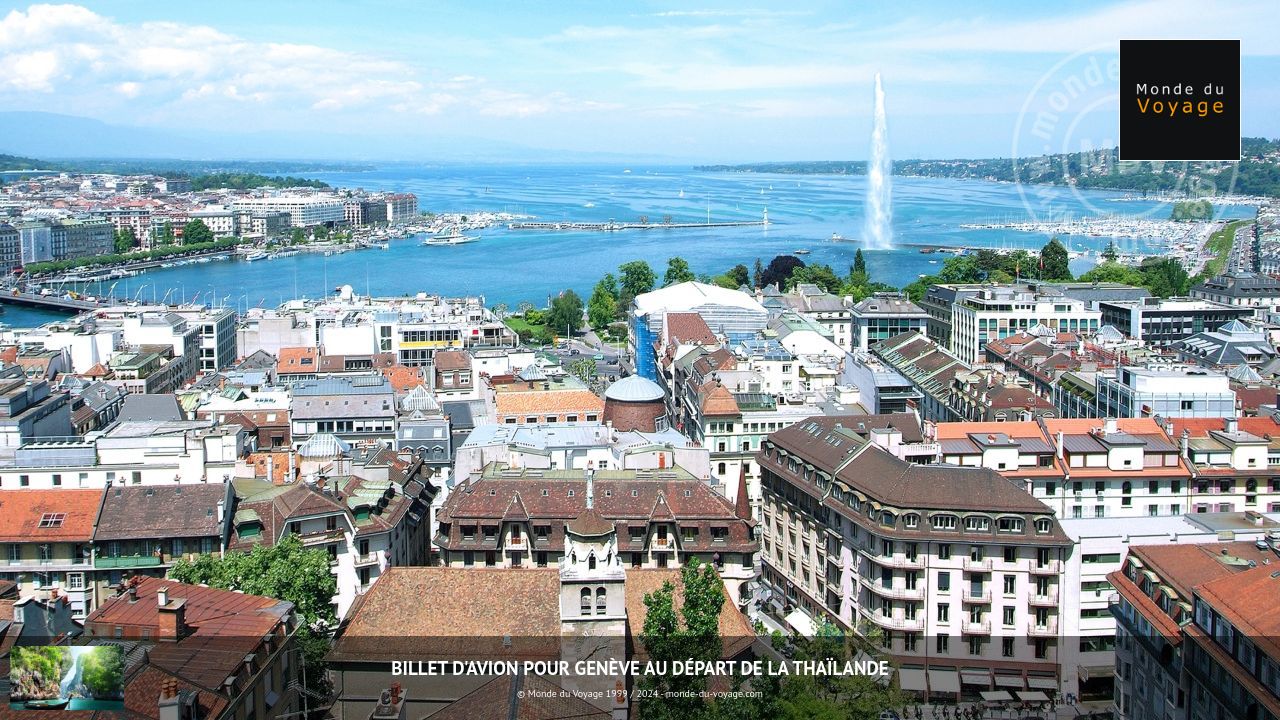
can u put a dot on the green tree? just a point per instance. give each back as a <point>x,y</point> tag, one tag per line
<point>196,232</point>
<point>859,262</point>
<point>297,236</point>
<point>286,571</point>
<point>739,275</point>
<point>1054,261</point>
<point>125,241</point>
<point>1111,254</point>
<point>1165,277</point>
<point>565,313</point>
<point>584,368</point>
<point>667,639</point>
<point>757,274</point>
<point>637,278</point>
<point>602,308</point>
<point>821,275</point>
<point>805,695</point>
<point>779,271</point>
<point>677,272</point>
<point>102,671</point>
<point>166,235</point>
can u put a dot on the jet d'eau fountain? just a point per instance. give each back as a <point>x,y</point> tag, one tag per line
<point>877,232</point>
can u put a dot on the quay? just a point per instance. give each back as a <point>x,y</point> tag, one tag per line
<point>52,302</point>
<point>612,226</point>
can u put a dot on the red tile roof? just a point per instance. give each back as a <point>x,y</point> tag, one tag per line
<point>402,378</point>
<point>452,360</point>
<point>684,328</point>
<point>1200,427</point>
<point>297,360</point>
<point>59,515</point>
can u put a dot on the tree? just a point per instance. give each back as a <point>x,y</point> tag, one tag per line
<point>859,262</point>
<point>1165,277</point>
<point>602,308</point>
<point>166,235</point>
<point>666,639</point>
<point>1113,272</point>
<point>806,695</point>
<point>779,271</point>
<point>821,275</point>
<point>739,274</point>
<point>196,232</point>
<point>286,571</point>
<point>677,272</point>
<point>102,671</point>
<point>297,236</point>
<point>757,274</point>
<point>125,241</point>
<point>565,313</point>
<point>637,278</point>
<point>320,232</point>
<point>1054,261</point>
<point>501,310</point>
<point>1110,254</point>
<point>584,368</point>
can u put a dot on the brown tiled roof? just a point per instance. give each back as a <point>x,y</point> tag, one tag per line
<point>160,512</point>
<point>1200,427</point>
<point>67,515</point>
<point>98,371</point>
<point>549,402</point>
<point>1183,566</point>
<point>452,360</point>
<point>687,328</point>
<point>297,360</point>
<point>520,697</point>
<point>717,400</point>
<point>736,633</point>
<point>1248,600</point>
<point>589,523</point>
<point>142,691</point>
<point>402,378</point>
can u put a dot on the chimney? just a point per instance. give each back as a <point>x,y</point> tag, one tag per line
<point>1232,424</point>
<point>222,510</point>
<point>173,620</point>
<point>1110,426</point>
<point>1185,443</point>
<point>1058,450</point>
<point>591,486</point>
<point>162,595</point>
<point>133,595</point>
<point>170,704</point>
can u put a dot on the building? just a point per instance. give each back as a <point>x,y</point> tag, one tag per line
<point>1229,346</point>
<point>635,403</point>
<point>30,410</point>
<point>10,248</point>
<point>1164,321</point>
<point>143,530</point>
<point>1235,463</point>
<point>517,517</point>
<point>451,374</point>
<point>209,654</point>
<point>304,210</point>
<point>365,523</point>
<point>830,311</point>
<point>264,223</point>
<point>1195,632</point>
<point>531,397</point>
<point>222,222</point>
<point>65,239</point>
<point>133,216</point>
<point>996,312</point>
<point>1260,293</point>
<point>511,614</point>
<point>958,568</point>
<point>880,388</point>
<point>882,316</point>
<point>352,408</point>
<point>929,367</point>
<point>48,539</point>
<point>401,207</point>
<point>724,311</point>
<point>1164,390</point>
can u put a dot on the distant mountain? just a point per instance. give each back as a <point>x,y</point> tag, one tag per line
<point>54,136</point>
<point>1257,173</point>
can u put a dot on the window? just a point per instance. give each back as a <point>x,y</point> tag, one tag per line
<point>1011,525</point>
<point>51,520</point>
<point>1006,647</point>
<point>1008,617</point>
<point>585,602</point>
<point>57,480</point>
<point>944,551</point>
<point>1010,554</point>
<point>944,613</point>
<point>24,481</point>
<point>490,558</point>
<point>944,581</point>
<point>1010,584</point>
<point>942,644</point>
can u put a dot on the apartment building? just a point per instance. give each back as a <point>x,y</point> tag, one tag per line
<point>304,210</point>
<point>724,312</point>
<point>1195,629</point>
<point>958,568</point>
<point>30,410</point>
<point>930,368</point>
<point>813,303</point>
<point>1235,463</point>
<point>352,408</point>
<point>1163,321</point>
<point>996,312</point>
<point>517,517</point>
<point>10,248</point>
<point>882,316</point>
<point>1255,291</point>
<point>401,207</point>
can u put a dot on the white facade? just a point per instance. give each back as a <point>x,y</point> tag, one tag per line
<point>998,312</point>
<point>1167,391</point>
<point>304,210</point>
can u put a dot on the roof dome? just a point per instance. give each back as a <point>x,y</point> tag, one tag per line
<point>634,389</point>
<point>323,445</point>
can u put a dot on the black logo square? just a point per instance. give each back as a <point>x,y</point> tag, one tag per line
<point>1179,99</point>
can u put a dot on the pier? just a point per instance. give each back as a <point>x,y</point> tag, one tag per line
<point>612,226</point>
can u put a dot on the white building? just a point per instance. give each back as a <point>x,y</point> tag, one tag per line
<point>997,312</point>
<point>304,210</point>
<point>1164,390</point>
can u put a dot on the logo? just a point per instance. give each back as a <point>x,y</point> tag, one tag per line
<point>1180,100</point>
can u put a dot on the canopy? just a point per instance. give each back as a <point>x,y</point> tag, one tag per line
<point>911,678</point>
<point>1009,681</point>
<point>1044,683</point>
<point>996,696</point>
<point>944,681</point>
<point>1033,696</point>
<point>975,677</point>
<point>801,623</point>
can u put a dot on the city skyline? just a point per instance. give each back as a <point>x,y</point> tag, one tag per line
<point>653,81</point>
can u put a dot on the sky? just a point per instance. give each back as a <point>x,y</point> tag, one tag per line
<point>699,81</point>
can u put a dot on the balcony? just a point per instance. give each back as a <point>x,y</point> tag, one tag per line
<point>897,623</point>
<point>972,565</point>
<point>128,561</point>
<point>977,596</point>
<point>663,544</point>
<point>894,561</point>
<point>324,537</point>
<point>517,543</point>
<point>976,628</point>
<point>1043,600</point>
<point>896,593</point>
<point>50,564</point>
<point>1048,628</point>
<point>1052,567</point>
<point>368,559</point>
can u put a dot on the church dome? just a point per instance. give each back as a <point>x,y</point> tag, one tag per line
<point>634,389</point>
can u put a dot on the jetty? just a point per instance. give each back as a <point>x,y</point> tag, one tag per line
<point>53,302</point>
<point>614,226</point>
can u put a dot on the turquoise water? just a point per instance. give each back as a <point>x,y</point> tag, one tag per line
<point>512,265</point>
<point>81,704</point>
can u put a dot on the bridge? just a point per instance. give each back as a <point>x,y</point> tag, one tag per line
<point>51,302</point>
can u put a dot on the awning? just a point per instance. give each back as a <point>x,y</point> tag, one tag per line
<point>801,623</point>
<point>1033,696</point>
<point>1044,683</point>
<point>911,678</point>
<point>1095,671</point>
<point>975,677</point>
<point>944,681</point>
<point>1009,681</point>
<point>996,696</point>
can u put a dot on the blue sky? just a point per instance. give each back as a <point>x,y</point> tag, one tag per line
<point>688,80</point>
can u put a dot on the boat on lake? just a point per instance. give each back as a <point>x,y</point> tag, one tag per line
<point>802,252</point>
<point>255,255</point>
<point>454,237</point>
